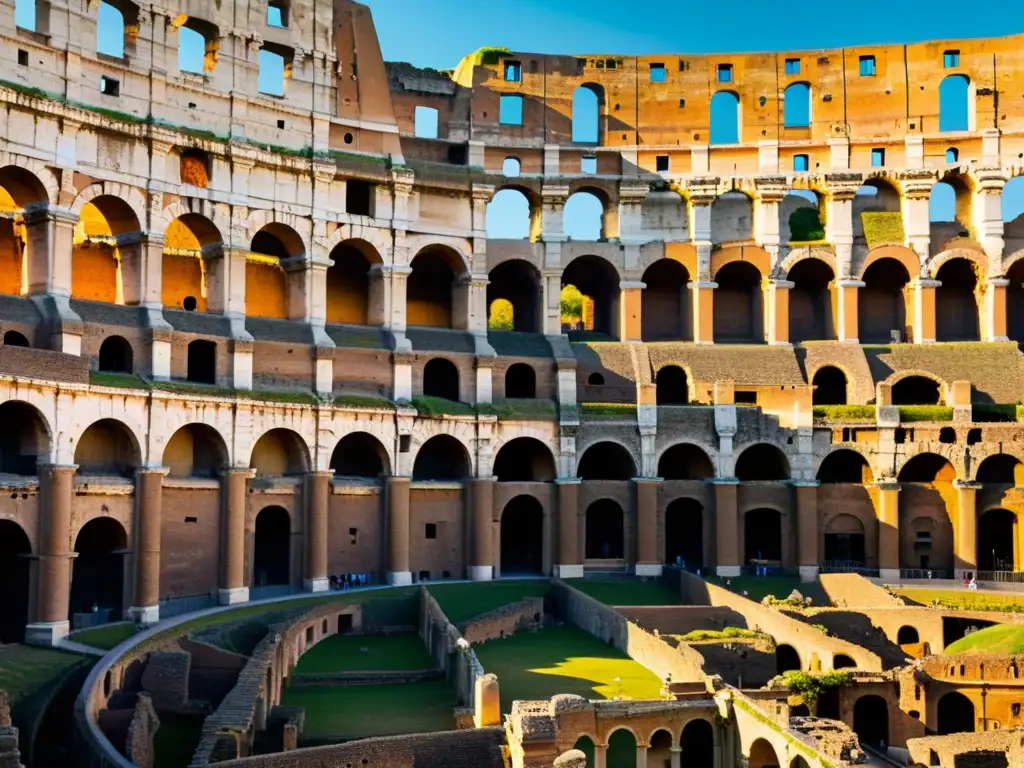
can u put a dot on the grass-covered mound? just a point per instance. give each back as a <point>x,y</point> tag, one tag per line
<point>364,653</point>
<point>462,602</point>
<point>627,591</point>
<point>538,665</point>
<point>1002,638</point>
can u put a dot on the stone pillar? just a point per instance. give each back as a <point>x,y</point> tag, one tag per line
<point>778,312</point>
<point>399,573</point>
<point>569,565</point>
<point>630,310</point>
<point>232,581</point>
<point>675,755</point>
<point>648,561</point>
<point>917,187</point>
<point>727,526</point>
<point>481,568</point>
<point>988,209</point>
<point>56,492</point>
<point>924,310</point>
<point>553,199</point>
<point>966,538</point>
<point>149,486</point>
<point>600,756</point>
<point>807,528</point>
<point>767,234</point>
<point>487,711</point>
<point>703,311</point>
<point>225,280</point>
<point>888,513</point>
<point>842,188</point>
<point>994,317</point>
<point>847,330</point>
<point>317,502</point>
<point>641,755</point>
<point>50,234</point>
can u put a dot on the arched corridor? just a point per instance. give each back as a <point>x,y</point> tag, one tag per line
<point>685,461</point>
<point>810,302</point>
<point>15,563</point>
<point>698,744</point>
<point>762,463</point>
<point>192,246</point>
<point>271,550</point>
<point>108,448</point>
<point>431,285</point>
<point>738,305</point>
<point>829,385</point>
<point>762,755</point>
<point>684,534</point>
<point>871,720</point>
<point>360,455</point>
<point>442,457</point>
<point>279,453</point>
<point>441,379</point>
<point>622,750</point>
<point>666,314</point>
<point>762,536</point>
<point>98,572</point>
<point>606,461</point>
<point>926,487</point>
<point>672,387</point>
<point>598,282</point>
<point>522,537</point>
<point>518,283</point>
<point>524,460</point>
<point>916,390</point>
<point>883,301</point>
<point>997,541</point>
<point>956,302</point>
<point>845,541</point>
<point>955,714</point>
<point>24,440</point>
<point>352,286</point>
<point>195,450</point>
<point>604,531</point>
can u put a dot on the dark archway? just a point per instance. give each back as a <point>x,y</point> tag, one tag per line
<point>829,386</point>
<point>349,279</point>
<point>202,362</point>
<point>762,755</point>
<point>1001,469</point>
<point>698,744</point>
<point>107,447</point>
<point>660,750</point>
<point>845,466</point>
<point>520,381</point>
<point>685,461</point>
<point>666,313</point>
<point>684,534</point>
<point>882,302</point>
<point>195,450</point>
<point>524,460</point>
<point>622,750</point>
<point>927,468</point>
<point>604,531</point>
<point>98,572</point>
<point>997,533</point>
<point>442,457</point>
<point>24,439</point>
<point>441,379</point>
<point>916,390</point>
<point>15,554</point>
<point>430,285</point>
<point>586,745</point>
<point>271,550</point>
<point>786,659</point>
<point>955,714</point>
<point>116,356</point>
<point>280,452</point>
<point>762,536</point>
<point>871,720</point>
<point>842,661</point>
<point>606,461</point>
<point>15,339</point>
<point>738,305</point>
<point>907,635</point>
<point>361,455</point>
<point>522,537</point>
<point>810,301</point>
<point>956,302</point>
<point>1015,295</point>
<point>762,463</point>
<point>598,281</point>
<point>517,282</point>
<point>844,541</point>
<point>672,387</point>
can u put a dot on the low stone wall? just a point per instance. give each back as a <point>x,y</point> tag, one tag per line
<point>138,743</point>
<point>682,619</point>
<point>851,590</point>
<point>504,621</point>
<point>367,678</point>
<point>991,749</point>
<point>449,650</point>
<point>975,667</point>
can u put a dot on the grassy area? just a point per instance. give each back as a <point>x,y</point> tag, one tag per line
<point>963,600</point>
<point>1002,638</point>
<point>25,669</point>
<point>538,665</point>
<point>105,637</point>
<point>627,591</point>
<point>462,602</point>
<point>728,633</point>
<point>176,740</point>
<point>338,712</point>
<point>757,587</point>
<point>362,653</point>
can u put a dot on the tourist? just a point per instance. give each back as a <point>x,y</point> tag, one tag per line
<point>973,586</point>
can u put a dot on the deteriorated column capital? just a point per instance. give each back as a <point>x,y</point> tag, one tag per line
<point>989,181</point>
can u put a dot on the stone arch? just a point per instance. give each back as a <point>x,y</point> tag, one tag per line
<point>685,461</point>
<point>108,447</point>
<point>907,635</point>
<point>732,220</point>
<point>871,720</point>
<point>884,300</point>
<point>116,356</point>
<point>684,533</point>
<point>522,536</point>
<point>800,255</point>
<point>958,301</point>
<point>437,271</point>
<point>607,460</point>
<point>997,537</point>
<point>753,255</point>
<point>279,452</point>
<point>188,236</point>
<point>926,467</point>
<point>442,457</point>
<point>844,539</point>
<point>622,743</point>
<point>811,301</point>
<point>666,307</point>
<point>353,287</point>
<point>25,181</point>
<point>830,384</point>
<point>102,249</point>
<point>362,455</point>
<point>513,213</point>
<point>911,261</point>
<point>25,440</point>
<point>672,385</point>
<point>196,208</point>
<point>697,742</point>
<point>524,460</point>
<point>291,230</point>
<point>738,307</point>
<point>15,579</point>
<point>132,197</point>
<point>659,750</point>
<point>955,714</point>
<point>845,465</point>
<point>520,382</point>
<point>98,572</point>
<point>787,658</point>
<point>195,450</point>
<point>979,260</point>
<point>598,281</point>
<point>518,282</point>
<point>762,462</point>
<point>441,379</point>
<point>761,754</point>
<point>604,530</point>
<point>1001,469</point>
<point>380,240</point>
<point>914,387</point>
<point>273,245</point>
<point>587,129</point>
<point>271,547</point>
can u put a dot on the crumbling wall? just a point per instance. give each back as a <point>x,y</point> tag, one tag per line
<point>449,649</point>
<point>503,621</point>
<point>991,749</point>
<point>10,757</point>
<point>138,743</point>
<point>166,680</point>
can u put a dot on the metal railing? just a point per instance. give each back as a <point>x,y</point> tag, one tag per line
<point>848,566</point>
<point>1001,577</point>
<point>924,574</point>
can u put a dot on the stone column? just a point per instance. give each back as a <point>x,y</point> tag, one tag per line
<point>966,538</point>
<point>569,565</point>
<point>56,492</point>
<point>778,312</point>
<point>767,232</point>
<point>600,755</point>
<point>988,209</point>
<point>630,310</point>
<point>552,224</point>
<point>916,219</point>
<point>675,755</point>
<point>648,563</point>
<point>50,234</point>
<point>924,310</point>
<point>232,581</point>
<point>641,755</point>
<point>482,568</point>
<point>994,317</point>
<point>703,311</point>
<point>839,228</point>
<point>149,487</point>
<point>807,528</point>
<point>317,502</point>
<point>888,512</point>
<point>847,330</point>
<point>398,531</point>
<point>225,280</point>
<point>727,526</point>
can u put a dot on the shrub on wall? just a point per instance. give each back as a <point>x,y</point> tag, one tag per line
<point>910,413</point>
<point>845,412</point>
<point>805,226</point>
<point>881,227</point>
<point>989,412</point>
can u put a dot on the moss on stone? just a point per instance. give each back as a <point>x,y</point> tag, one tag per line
<point>911,413</point>
<point>882,227</point>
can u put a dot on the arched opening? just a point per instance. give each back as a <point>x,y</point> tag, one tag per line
<point>15,558</point>
<point>586,114</point>
<point>108,448</point>
<point>738,309</point>
<point>947,436</point>
<point>18,188</point>
<point>956,302</point>
<point>586,745</point>
<point>184,272</point>
<point>907,635</point>
<point>844,542</point>
<point>195,450</point>
<point>522,537</point>
<point>583,216</point>
<point>430,287</point>
<point>950,210</point>
<point>829,385</point>
<point>725,118</point>
<point>698,744</point>
<point>659,753</point>
<point>351,283</point>
<point>762,755</point>
<point>800,217</point>
<point>666,312</point>
<point>441,379</point>
<point>786,659</point>
<point>604,531</point>
<point>955,714</point>
<point>360,455</point>
<point>622,750</point>
<point>672,387</point>
<point>845,466</point>
<point>442,457</point>
<point>954,106</point>
<point>202,362</point>
<point>685,461</point>
<point>516,282</point>
<point>997,537</point>
<point>593,302</point>
<point>524,460</point>
<point>927,481</point>
<point>916,390</point>
<point>116,356</point>
<point>271,549</point>
<point>871,720</point>
<point>797,106</point>
<point>927,468</point>
<point>15,339</point>
<point>520,381</point>
<point>197,46</point>
<point>97,581</point>
<point>103,250</point>
<point>1001,469</point>
<point>510,216</point>
<point>732,219</point>
<point>1015,291</point>
<point>762,463</point>
<point>24,439</point>
<point>684,534</point>
<point>842,661</point>
<point>762,537</point>
<point>798,762</point>
<point>810,302</point>
<point>266,282</point>
<point>606,461</point>
<point>882,303</point>
<point>280,452</point>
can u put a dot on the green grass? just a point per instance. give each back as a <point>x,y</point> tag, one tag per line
<point>462,602</point>
<point>511,409</point>
<point>609,411</point>
<point>176,739</point>
<point>627,591</point>
<point>340,712</point>
<point>845,412</point>
<point>439,406</point>
<point>25,669</point>
<point>990,412</point>
<point>363,401</point>
<point>963,600</point>
<point>365,653</point>
<point>909,413</point>
<point>119,380</point>
<point>105,637</point>
<point>728,633</point>
<point>778,586</point>
<point>538,665</point>
<point>1003,638</point>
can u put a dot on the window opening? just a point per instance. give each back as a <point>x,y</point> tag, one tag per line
<point>510,110</point>
<point>588,164</point>
<point>425,123</point>
<point>792,66</point>
<point>951,59</point>
<point>867,66</point>
<point>513,72</point>
<point>801,163</point>
<point>725,73</point>
<point>661,163</point>
<point>658,73</point>
<point>877,158</point>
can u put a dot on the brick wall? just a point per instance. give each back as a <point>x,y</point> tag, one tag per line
<point>442,638</point>
<point>43,364</point>
<point>504,621</point>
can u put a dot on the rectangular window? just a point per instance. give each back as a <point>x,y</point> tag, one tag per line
<point>725,73</point>
<point>661,163</point>
<point>513,72</point>
<point>658,73</point>
<point>1015,709</point>
<point>745,398</point>
<point>353,534</point>
<point>22,58</point>
<point>867,66</point>
<point>951,59</point>
<point>801,163</point>
<point>109,86</point>
<point>431,531</point>
<point>588,164</point>
<point>877,158</point>
<point>277,14</point>
<point>271,74</point>
<point>792,66</point>
<point>425,123</point>
<point>510,110</point>
<point>359,197</point>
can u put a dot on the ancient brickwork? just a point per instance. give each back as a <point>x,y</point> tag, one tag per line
<point>504,621</point>
<point>448,647</point>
